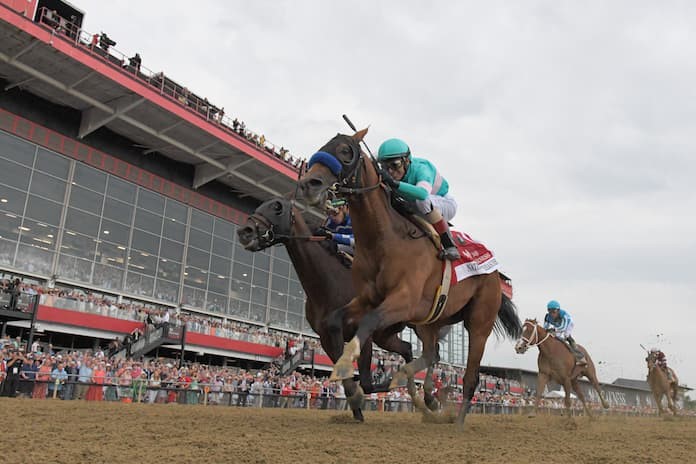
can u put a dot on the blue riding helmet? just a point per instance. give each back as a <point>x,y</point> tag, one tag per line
<point>553,304</point>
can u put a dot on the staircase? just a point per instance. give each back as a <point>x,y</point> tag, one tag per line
<point>151,340</point>
<point>290,363</point>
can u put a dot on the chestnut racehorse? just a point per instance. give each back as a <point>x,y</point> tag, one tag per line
<point>396,276</point>
<point>660,384</point>
<point>327,284</point>
<point>557,363</point>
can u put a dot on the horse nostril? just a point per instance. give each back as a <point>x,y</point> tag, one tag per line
<point>245,234</point>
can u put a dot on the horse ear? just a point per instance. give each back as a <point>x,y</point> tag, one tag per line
<point>360,135</point>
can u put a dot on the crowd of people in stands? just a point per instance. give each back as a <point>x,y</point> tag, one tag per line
<point>45,373</point>
<point>94,376</point>
<point>102,45</point>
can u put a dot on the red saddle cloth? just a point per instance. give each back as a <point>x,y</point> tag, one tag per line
<point>476,258</point>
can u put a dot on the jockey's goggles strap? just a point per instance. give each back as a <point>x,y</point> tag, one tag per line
<point>327,160</point>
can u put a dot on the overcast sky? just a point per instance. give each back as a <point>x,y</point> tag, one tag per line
<point>565,129</point>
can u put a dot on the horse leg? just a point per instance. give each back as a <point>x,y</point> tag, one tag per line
<point>335,322</point>
<point>365,368</point>
<point>581,397</point>
<point>658,401</point>
<point>542,380</point>
<point>393,343</point>
<point>354,394</point>
<point>428,337</point>
<point>477,343</point>
<point>592,376</point>
<point>566,401</point>
<point>385,315</point>
<point>406,375</point>
<point>428,386</point>
<point>670,401</point>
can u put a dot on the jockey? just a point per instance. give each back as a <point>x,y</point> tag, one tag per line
<point>418,180</point>
<point>339,228</point>
<point>661,361</point>
<point>560,322</point>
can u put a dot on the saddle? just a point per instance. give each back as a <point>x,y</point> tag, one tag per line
<point>405,208</point>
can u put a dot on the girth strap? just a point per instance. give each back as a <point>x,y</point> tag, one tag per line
<point>440,300</point>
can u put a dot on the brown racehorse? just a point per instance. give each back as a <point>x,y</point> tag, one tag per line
<point>326,282</point>
<point>660,384</point>
<point>557,363</point>
<point>396,276</point>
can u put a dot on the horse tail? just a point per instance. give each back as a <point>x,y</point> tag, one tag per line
<point>508,323</point>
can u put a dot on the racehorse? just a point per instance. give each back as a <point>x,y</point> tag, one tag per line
<point>557,363</point>
<point>660,384</point>
<point>396,274</point>
<point>327,284</point>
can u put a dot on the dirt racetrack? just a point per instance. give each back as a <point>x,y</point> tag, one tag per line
<point>54,431</point>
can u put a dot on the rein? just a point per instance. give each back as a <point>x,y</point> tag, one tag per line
<point>535,336</point>
<point>270,235</point>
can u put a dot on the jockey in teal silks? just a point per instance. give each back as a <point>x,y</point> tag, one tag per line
<point>419,181</point>
<point>561,324</point>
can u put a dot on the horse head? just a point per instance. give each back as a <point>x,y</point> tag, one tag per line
<point>270,224</point>
<point>532,334</point>
<point>651,359</point>
<point>333,169</point>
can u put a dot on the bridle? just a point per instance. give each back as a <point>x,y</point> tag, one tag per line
<point>534,336</point>
<point>271,236</point>
<point>349,179</point>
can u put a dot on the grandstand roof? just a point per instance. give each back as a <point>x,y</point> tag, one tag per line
<point>68,72</point>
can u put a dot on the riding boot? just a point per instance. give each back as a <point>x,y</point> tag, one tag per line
<point>450,251</point>
<point>579,356</point>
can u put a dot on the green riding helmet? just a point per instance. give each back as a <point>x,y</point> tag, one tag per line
<point>393,148</point>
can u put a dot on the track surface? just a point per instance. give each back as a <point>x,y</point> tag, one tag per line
<point>69,432</point>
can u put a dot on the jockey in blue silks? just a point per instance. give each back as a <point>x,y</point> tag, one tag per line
<point>561,324</point>
<point>339,227</point>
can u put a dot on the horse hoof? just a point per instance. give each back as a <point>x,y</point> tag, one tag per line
<point>399,380</point>
<point>358,416</point>
<point>433,404</point>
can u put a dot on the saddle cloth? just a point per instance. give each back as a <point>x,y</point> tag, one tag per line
<point>476,258</point>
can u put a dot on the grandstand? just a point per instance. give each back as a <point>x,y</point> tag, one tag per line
<point>123,188</point>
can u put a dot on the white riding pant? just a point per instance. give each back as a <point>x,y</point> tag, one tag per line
<point>566,333</point>
<point>447,205</point>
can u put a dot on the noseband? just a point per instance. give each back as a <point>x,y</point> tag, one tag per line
<point>349,178</point>
<point>271,236</point>
<point>534,336</point>
<point>267,238</point>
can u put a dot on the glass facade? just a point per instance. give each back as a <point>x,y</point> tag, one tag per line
<point>64,218</point>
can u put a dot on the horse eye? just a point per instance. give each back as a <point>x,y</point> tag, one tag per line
<point>346,157</point>
<point>277,206</point>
